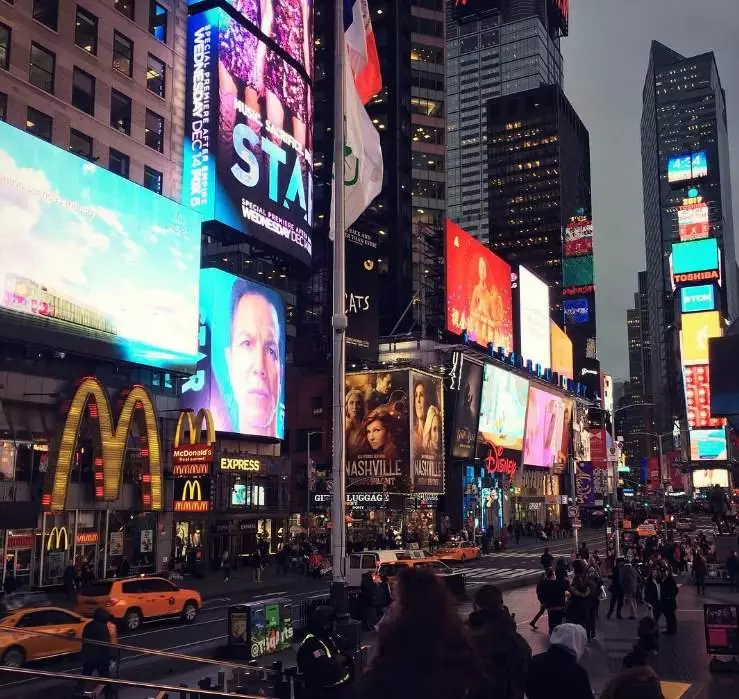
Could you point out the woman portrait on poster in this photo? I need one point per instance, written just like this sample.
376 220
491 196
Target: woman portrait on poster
356 435
432 431
420 409
379 425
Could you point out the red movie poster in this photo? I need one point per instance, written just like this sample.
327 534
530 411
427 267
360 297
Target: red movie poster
478 291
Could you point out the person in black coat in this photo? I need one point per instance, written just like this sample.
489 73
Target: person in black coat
368 601
557 673
551 593
617 592
578 608
651 592
504 652
97 658
69 577
668 592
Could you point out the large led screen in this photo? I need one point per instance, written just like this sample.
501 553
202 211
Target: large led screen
687 166
696 380
577 271
467 410
427 433
695 256
248 138
377 432
564 445
724 378
478 291
562 359
577 311
694 299
708 445
697 329
578 238
93 263
503 417
545 418
692 221
241 373
710 477
533 303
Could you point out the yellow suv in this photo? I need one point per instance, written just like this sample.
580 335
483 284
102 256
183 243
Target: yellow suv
131 601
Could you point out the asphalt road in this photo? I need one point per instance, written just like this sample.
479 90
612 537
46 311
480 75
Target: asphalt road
513 568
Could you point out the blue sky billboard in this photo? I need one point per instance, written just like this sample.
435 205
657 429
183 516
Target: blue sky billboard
695 256
240 376
94 263
249 122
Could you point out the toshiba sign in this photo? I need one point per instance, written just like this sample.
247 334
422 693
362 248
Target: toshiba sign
690 277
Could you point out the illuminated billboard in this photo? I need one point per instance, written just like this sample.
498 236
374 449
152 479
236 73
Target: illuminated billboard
241 373
695 256
577 311
688 166
378 451
562 361
710 477
578 237
427 433
545 418
467 410
247 155
697 329
503 418
533 304
696 380
478 291
692 221
708 445
694 299
577 271
93 263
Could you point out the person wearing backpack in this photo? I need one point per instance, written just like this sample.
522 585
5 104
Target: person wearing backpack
504 653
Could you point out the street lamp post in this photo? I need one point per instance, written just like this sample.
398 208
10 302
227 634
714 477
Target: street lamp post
307 481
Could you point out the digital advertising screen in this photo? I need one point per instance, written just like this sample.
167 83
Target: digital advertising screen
578 238
697 383
692 221
708 445
361 293
580 433
562 358
694 299
533 305
564 445
478 291
577 311
695 256
688 166
545 418
92 262
503 418
697 329
427 433
710 477
577 271
248 160
241 374
378 422
467 410
724 378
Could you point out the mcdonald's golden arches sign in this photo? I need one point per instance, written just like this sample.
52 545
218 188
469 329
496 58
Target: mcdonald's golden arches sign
192 460
110 443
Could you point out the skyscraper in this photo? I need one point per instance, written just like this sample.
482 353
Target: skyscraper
494 48
687 196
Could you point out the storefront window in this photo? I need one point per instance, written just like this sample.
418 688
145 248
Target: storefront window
18 559
189 544
131 543
482 504
7 461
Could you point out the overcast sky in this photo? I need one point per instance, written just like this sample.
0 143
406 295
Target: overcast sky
606 56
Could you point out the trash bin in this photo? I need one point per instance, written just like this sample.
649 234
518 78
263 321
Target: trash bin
260 628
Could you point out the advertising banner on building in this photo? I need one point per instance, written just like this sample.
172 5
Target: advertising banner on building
467 409
479 299
93 262
247 157
427 433
708 445
580 433
578 237
503 418
692 221
599 448
241 374
695 256
694 299
696 330
696 381
545 419
654 475
564 447
533 310
361 294
577 271
378 457
562 359
584 485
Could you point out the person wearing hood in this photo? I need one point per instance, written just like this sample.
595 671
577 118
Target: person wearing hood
557 673
326 670
95 657
505 654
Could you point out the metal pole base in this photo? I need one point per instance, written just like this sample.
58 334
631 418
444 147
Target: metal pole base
339 599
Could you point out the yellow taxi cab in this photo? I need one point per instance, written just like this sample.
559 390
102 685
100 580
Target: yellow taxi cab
59 633
458 551
131 601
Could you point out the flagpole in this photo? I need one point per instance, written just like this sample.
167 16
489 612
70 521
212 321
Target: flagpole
339 323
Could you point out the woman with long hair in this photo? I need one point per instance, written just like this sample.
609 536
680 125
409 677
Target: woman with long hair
423 648
378 427
420 407
432 431
356 439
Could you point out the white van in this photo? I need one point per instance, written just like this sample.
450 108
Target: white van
369 562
